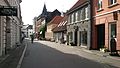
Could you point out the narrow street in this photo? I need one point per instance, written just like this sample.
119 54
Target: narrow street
53 56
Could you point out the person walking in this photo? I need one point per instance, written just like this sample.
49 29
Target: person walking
32 38
22 37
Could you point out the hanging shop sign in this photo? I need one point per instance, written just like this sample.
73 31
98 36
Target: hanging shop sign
8 11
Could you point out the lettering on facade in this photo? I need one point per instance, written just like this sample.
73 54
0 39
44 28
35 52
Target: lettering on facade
8 11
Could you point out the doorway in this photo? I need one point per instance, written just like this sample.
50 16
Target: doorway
100 36
76 38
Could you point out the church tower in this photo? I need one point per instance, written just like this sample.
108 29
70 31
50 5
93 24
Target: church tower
44 12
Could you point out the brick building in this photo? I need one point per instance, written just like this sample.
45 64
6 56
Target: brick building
106 23
43 19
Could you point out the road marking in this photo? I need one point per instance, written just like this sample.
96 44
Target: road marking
21 59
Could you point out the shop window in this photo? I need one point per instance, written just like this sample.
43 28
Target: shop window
113 30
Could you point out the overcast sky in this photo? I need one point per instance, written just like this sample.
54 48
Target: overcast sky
32 8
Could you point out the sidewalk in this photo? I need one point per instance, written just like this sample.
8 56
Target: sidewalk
11 60
89 54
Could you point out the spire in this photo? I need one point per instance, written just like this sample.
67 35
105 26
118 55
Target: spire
44 12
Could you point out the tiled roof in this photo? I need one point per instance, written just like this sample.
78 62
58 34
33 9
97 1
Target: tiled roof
61 26
55 20
77 4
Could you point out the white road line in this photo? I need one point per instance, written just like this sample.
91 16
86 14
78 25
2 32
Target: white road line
21 58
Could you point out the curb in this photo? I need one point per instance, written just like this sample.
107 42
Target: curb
21 58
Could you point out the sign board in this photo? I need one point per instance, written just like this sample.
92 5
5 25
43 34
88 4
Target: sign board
8 11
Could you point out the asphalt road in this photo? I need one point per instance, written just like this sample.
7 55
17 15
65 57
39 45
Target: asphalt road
42 56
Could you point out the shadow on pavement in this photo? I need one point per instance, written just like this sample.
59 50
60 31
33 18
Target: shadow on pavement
12 60
42 56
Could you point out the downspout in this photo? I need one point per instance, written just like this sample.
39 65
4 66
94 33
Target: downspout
90 25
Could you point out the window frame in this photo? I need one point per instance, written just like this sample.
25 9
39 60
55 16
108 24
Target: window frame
83 14
112 2
72 18
99 5
86 13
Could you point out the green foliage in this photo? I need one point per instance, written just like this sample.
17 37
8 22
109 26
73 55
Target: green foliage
43 31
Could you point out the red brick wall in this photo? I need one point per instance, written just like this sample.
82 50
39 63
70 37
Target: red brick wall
118 32
94 36
105 19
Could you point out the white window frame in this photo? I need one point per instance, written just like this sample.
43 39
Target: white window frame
83 14
112 2
76 14
72 18
99 4
86 13
79 13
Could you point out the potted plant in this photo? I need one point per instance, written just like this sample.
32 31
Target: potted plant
103 49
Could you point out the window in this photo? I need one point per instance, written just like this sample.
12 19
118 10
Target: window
86 13
79 15
111 2
76 15
99 4
83 14
72 17
113 30
71 36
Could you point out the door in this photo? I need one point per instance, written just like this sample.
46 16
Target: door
101 35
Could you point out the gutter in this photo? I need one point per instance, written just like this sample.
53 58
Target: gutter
90 25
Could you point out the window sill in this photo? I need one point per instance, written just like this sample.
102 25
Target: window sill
99 10
112 5
87 19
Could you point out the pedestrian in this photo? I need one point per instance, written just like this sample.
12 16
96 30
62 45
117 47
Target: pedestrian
32 38
23 36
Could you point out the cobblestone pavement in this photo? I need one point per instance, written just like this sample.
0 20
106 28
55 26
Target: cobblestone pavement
13 58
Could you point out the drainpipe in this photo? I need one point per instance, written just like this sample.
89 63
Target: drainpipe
90 25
